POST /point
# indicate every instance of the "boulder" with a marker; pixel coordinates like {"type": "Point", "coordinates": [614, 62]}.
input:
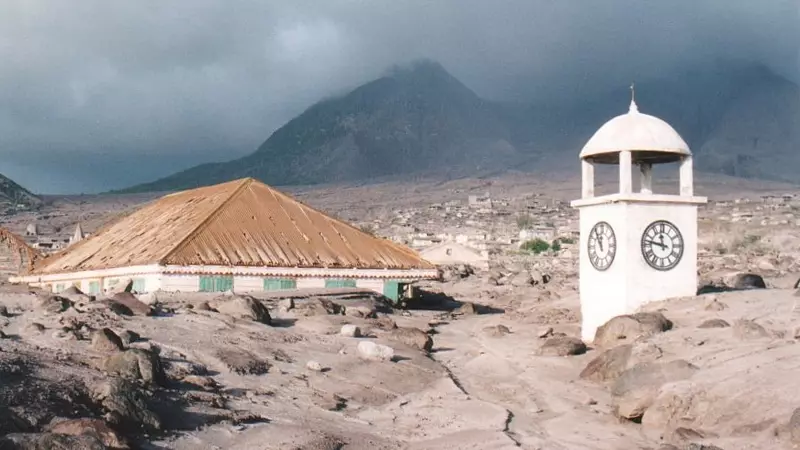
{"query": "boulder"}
{"type": "Point", "coordinates": [136, 364]}
{"type": "Point", "coordinates": [714, 323]}
{"type": "Point", "coordinates": [747, 281]}
{"type": "Point", "coordinates": [466, 309]}
{"type": "Point", "coordinates": [794, 427]}
{"type": "Point", "coordinates": [521, 279]}
{"type": "Point", "coordinates": [637, 388]}
{"type": "Point", "coordinates": [95, 428]}
{"type": "Point", "coordinates": [4, 311]}
{"type": "Point", "coordinates": [51, 304]}
{"type": "Point", "coordinates": [126, 405]}
{"type": "Point", "coordinates": [562, 346]}
{"type": "Point", "coordinates": [243, 362]}
{"type": "Point", "coordinates": [496, 330]}
{"type": "Point", "coordinates": [50, 441]}
{"type": "Point", "coordinates": [747, 329]}
{"type": "Point", "coordinates": [203, 306]}
{"type": "Point", "coordinates": [242, 307]}
{"type": "Point", "coordinates": [364, 309]}
{"type": "Point", "coordinates": [610, 364]}
{"type": "Point", "coordinates": [123, 285]}
{"type": "Point", "coordinates": [75, 295]}
{"type": "Point", "coordinates": [128, 336]}
{"type": "Point", "coordinates": [413, 337]}
{"type": "Point", "coordinates": [384, 323]}
{"type": "Point", "coordinates": [123, 302]}
{"type": "Point", "coordinates": [317, 306]}
{"type": "Point", "coordinates": [286, 305]}
{"type": "Point", "coordinates": [350, 331]}
{"type": "Point", "coordinates": [105, 340]}
{"type": "Point", "coordinates": [630, 327]}
{"type": "Point", "coordinates": [314, 365]}
{"type": "Point", "coordinates": [375, 352]}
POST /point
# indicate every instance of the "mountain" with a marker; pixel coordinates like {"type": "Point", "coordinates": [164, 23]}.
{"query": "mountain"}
{"type": "Point", "coordinates": [13, 196]}
{"type": "Point", "coordinates": [739, 118]}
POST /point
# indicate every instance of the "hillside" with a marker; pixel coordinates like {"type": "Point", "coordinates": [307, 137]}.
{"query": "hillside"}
{"type": "Point", "coordinates": [14, 196]}
{"type": "Point", "coordinates": [420, 119]}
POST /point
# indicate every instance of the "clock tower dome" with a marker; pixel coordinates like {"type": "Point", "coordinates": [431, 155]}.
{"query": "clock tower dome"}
{"type": "Point", "coordinates": [636, 246]}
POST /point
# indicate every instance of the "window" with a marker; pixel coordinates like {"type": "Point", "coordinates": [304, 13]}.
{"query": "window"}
{"type": "Point", "coordinates": [59, 288]}
{"type": "Point", "coordinates": [279, 284]}
{"type": "Point", "coordinates": [94, 287]}
{"type": "Point", "coordinates": [216, 283]}
{"type": "Point", "coordinates": [138, 285]}
{"type": "Point", "coordinates": [341, 283]}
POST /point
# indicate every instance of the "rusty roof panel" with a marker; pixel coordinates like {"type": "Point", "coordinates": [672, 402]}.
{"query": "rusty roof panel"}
{"type": "Point", "coordinates": [239, 223]}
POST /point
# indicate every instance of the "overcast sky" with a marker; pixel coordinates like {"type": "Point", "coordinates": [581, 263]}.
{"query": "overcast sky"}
{"type": "Point", "coordinates": [96, 95]}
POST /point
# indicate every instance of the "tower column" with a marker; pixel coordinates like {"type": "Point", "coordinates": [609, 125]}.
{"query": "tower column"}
{"type": "Point", "coordinates": [625, 180]}
{"type": "Point", "coordinates": [647, 178]}
{"type": "Point", "coordinates": [686, 177]}
{"type": "Point", "coordinates": [587, 177]}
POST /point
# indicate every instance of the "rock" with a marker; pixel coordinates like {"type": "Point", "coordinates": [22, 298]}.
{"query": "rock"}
{"type": "Point", "coordinates": [384, 323]}
{"type": "Point", "coordinates": [105, 340]}
{"type": "Point", "coordinates": [95, 428]}
{"type": "Point", "coordinates": [149, 299]}
{"type": "Point", "coordinates": [123, 285]}
{"type": "Point", "coordinates": [794, 427]}
{"type": "Point", "coordinates": [35, 328]}
{"type": "Point", "coordinates": [748, 281]}
{"type": "Point", "coordinates": [365, 309]}
{"type": "Point", "coordinates": [178, 370]}
{"type": "Point", "coordinates": [242, 307]}
{"type": "Point", "coordinates": [562, 346]}
{"type": "Point", "coordinates": [492, 281]}
{"type": "Point", "coordinates": [318, 307]}
{"type": "Point", "coordinates": [714, 323]}
{"type": "Point", "coordinates": [314, 365]}
{"type": "Point", "coordinates": [51, 304]}
{"type": "Point", "coordinates": [200, 381]}
{"type": "Point", "coordinates": [350, 331]}
{"type": "Point", "coordinates": [375, 352]}
{"type": "Point", "coordinates": [747, 329]}
{"type": "Point", "coordinates": [715, 305]}
{"type": "Point", "coordinates": [546, 332]}
{"type": "Point", "coordinates": [202, 306]}
{"type": "Point", "coordinates": [413, 337]}
{"type": "Point", "coordinates": [126, 304]}
{"type": "Point", "coordinates": [286, 305]}
{"type": "Point", "coordinates": [637, 388]}
{"type": "Point", "coordinates": [696, 446]}
{"type": "Point", "coordinates": [75, 295]}
{"type": "Point", "coordinates": [136, 364]}
{"type": "Point", "coordinates": [466, 309]}
{"type": "Point", "coordinates": [521, 279]}
{"type": "Point", "coordinates": [3, 335]}
{"type": "Point", "coordinates": [126, 405]}
{"type": "Point", "coordinates": [4, 311]}
{"type": "Point", "coordinates": [629, 328]}
{"type": "Point", "coordinates": [50, 441]}
{"type": "Point", "coordinates": [496, 330]}
{"type": "Point", "coordinates": [242, 361]}
{"type": "Point", "coordinates": [128, 336]}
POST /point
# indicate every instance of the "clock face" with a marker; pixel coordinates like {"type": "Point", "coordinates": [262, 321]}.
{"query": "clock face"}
{"type": "Point", "coordinates": [602, 246]}
{"type": "Point", "coordinates": [662, 245]}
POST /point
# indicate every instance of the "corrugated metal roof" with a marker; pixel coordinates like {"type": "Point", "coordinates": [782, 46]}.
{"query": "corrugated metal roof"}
{"type": "Point", "coordinates": [239, 223]}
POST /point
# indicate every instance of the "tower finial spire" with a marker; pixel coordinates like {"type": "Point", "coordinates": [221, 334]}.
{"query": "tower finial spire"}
{"type": "Point", "coordinates": [633, 107]}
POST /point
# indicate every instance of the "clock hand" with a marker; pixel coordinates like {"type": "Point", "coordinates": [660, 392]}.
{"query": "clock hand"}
{"type": "Point", "coordinates": [660, 244]}
{"type": "Point", "coordinates": [600, 242]}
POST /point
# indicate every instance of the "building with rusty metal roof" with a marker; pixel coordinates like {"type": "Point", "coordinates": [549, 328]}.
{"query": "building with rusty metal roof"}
{"type": "Point", "coordinates": [241, 235]}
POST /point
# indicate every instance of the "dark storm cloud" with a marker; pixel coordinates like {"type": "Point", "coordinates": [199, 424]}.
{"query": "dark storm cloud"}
{"type": "Point", "coordinates": [97, 95]}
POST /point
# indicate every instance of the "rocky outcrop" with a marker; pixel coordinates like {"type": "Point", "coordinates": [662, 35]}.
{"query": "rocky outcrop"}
{"type": "Point", "coordinates": [375, 352]}
{"type": "Point", "coordinates": [242, 307]}
{"type": "Point", "coordinates": [136, 364]}
{"type": "Point", "coordinates": [630, 328]}
{"type": "Point", "coordinates": [610, 364]}
{"type": "Point", "coordinates": [637, 388]}
{"type": "Point", "coordinates": [412, 337]}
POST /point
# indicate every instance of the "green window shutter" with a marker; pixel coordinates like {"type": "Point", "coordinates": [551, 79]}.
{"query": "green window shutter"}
{"type": "Point", "coordinates": [279, 284]}
{"type": "Point", "coordinates": [391, 289]}
{"type": "Point", "coordinates": [342, 283]}
{"type": "Point", "coordinates": [216, 284]}
{"type": "Point", "coordinates": [59, 288]}
{"type": "Point", "coordinates": [94, 287]}
{"type": "Point", "coordinates": [138, 285]}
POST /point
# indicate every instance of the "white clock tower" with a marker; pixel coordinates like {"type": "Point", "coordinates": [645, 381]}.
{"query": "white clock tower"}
{"type": "Point", "coordinates": [635, 247]}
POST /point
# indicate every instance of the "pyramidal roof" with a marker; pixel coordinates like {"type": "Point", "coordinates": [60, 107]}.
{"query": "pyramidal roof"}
{"type": "Point", "coordinates": [238, 223]}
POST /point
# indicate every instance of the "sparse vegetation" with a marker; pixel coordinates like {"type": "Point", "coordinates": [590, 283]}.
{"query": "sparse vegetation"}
{"type": "Point", "coordinates": [367, 229]}
{"type": "Point", "coordinates": [555, 246]}
{"type": "Point", "coordinates": [535, 246]}
{"type": "Point", "coordinates": [524, 221]}
{"type": "Point", "coordinates": [566, 240]}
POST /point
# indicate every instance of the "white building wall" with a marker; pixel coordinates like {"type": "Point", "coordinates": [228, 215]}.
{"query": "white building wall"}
{"type": "Point", "coordinates": [630, 282]}
{"type": "Point", "coordinates": [310, 283]}
{"type": "Point", "coordinates": [182, 283]}
{"type": "Point", "coordinates": [248, 284]}
{"type": "Point", "coordinates": [373, 285]}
